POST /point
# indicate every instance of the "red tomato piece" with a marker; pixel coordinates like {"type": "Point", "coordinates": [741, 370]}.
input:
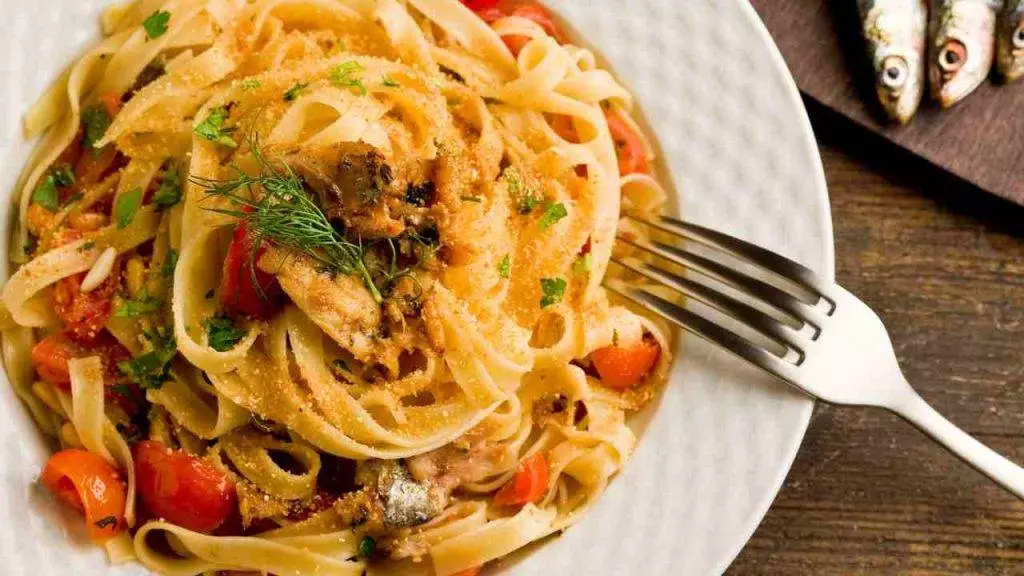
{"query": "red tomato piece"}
{"type": "Point", "coordinates": [478, 5]}
{"type": "Point", "coordinates": [52, 354]}
{"type": "Point", "coordinates": [85, 313]}
{"type": "Point", "coordinates": [622, 367]}
{"type": "Point", "coordinates": [181, 488]}
{"type": "Point", "coordinates": [629, 147]}
{"type": "Point", "coordinates": [529, 10]}
{"type": "Point", "coordinates": [86, 482]}
{"type": "Point", "coordinates": [528, 485]}
{"type": "Point", "coordinates": [238, 293]}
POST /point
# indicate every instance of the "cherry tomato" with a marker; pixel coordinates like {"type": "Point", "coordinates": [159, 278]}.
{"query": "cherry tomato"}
{"type": "Point", "coordinates": [84, 314]}
{"type": "Point", "coordinates": [52, 354]}
{"type": "Point", "coordinates": [622, 367]}
{"type": "Point", "coordinates": [494, 11]}
{"type": "Point", "coordinates": [181, 488]}
{"type": "Point", "coordinates": [86, 482]}
{"type": "Point", "coordinates": [629, 147]}
{"type": "Point", "coordinates": [238, 293]}
{"type": "Point", "coordinates": [528, 485]}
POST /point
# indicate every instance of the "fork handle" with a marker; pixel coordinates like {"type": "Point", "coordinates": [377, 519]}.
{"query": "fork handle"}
{"type": "Point", "coordinates": [915, 410]}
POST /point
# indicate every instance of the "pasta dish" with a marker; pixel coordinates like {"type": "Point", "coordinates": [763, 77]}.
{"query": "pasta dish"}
{"type": "Point", "coordinates": [315, 286]}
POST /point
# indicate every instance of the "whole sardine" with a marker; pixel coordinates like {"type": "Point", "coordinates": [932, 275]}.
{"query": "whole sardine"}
{"type": "Point", "coordinates": [1010, 40]}
{"type": "Point", "coordinates": [894, 31]}
{"type": "Point", "coordinates": [962, 46]}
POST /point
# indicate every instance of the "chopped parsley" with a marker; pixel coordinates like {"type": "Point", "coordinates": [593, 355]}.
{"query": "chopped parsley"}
{"type": "Point", "coordinates": [222, 332]}
{"type": "Point", "coordinates": [169, 192]}
{"type": "Point", "coordinates": [390, 83]}
{"type": "Point", "coordinates": [294, 92]}
{"type": "Point", "coordinates": [89, 245]}
{"type": "Point", "coordinates": [346, 76]}
{"type": "Point", "coordinates": [106, 522]}
{"type": "Point", "coordinates": [126, 206]}
{"type": "Point", "coordinates": [167, 269]}
{"type": "Point", "coordinates": [339, 365]}
{"type": "Point", "coordinates": [46, 194]}
{"type": "Point", "coordinates": [553, 290]}
{"type": "Point", "coordinates": [150, 369]}
{"type": "Point", "coordinates": [522, 195]}
{"type": "Point", "coordinates": [583, 264]}
{"type": "Point", "coordinates": [95, 120]}
{"type": "Point", "coordinates": [156, 24]}
{"type": "Point", "coordinates": [553, 214]}
{"type": "Point", "coordinates": [367, 546]}
{"type": "Point", "coordinates": [505, 266]}
{"type": "Point", "coordinates": [212, 128]}
{"type": "Point", "coordinates": [142, 306]}
{"type": "Point", "coordinates": [251, 84]}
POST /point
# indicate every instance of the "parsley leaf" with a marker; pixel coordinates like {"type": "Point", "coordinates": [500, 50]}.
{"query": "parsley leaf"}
{"type": "Point", "coordinates": [583, 264]}
{"type": "Point", "coordinates": [345, 75]}
{"type": "Point", "coordinates": [212, 128]}
{"type": "Point", "coordinates": [46, 194]}
{"type": "Point", "coordinates": [553, 289]}
{"type": "Point", "coordinates": [390, 83]}
{"type": "Point", "coordinates": [156, 24]}
{"type": "Point", "coordinates": [141, 306]}
{"type": "Point", "coordinates": [294, 92]}
{"type": "Point", "coordinates": [367, 546]}
{"type": "Point", "coordinates": [95, 120]}
{"type": "Point", "coordinates": [554, 213]}
{"type": "Point", "coordinates": [169, 192]}
{"type": "Point", "coordinates": [505, 266]}
{"type": "Point", "coordinates": [167, 269]}
{"type": "Point", "coordinates": [222, 332]}
{"type": "Point", "coordinates": [126, 206]}
{"type": "Point", "coordinates": [63, 175]}
{"type": "Point", "coordinates": [251, 84]}
{"type": "Point", "coordinates": [150, 369]}
{"type": "Point", "coordinates": [525, 197]}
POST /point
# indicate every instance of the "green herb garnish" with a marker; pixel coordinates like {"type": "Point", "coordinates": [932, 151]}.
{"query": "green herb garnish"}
{"type": "Point", "coordinates": [419, 194]}
{"type": "Point", "coordinates": [553, 290]}
{"type": "Point", "coordinates": [169, 192]}
{"type": "Point", "coordinates": [156, 24]}
{"type": "Point", "coordinates": [390, 83]}
{"type": "Point", "coordinates": [126, 206]}
{"type": "Point", "coordinates": [95, 120]}
{"type": "Point", "coordinates": [295, 91]}
{"type": "Point", "coordinates": [367, 546]}
{"type": "Point", "coordinates": [553, 214]}
{"type": "Point", "coordinates": [345, 75]}
{"type": "Point", "coordinates": [150, 370]}
{"type": "Point", "coordinates": [89, 245]}
{"type": "Point", "coordinates": [212, 128]}
{"type": "Point", "coordinates": [47, 195]}
{"type": "Point", "coordinates": [505, 266]}
{"type": "Point", "coordinates": [222, 333]}
{"type": "Point", "coordinates": [251, 84]}
{"type": "Point", "coordinates": [142, 306]}
{"type": "Point", "coordinates": [167, 269]}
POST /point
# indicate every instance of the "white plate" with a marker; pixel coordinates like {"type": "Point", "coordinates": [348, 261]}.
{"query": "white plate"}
{"type": "Point", "coordinates": [741, 152]}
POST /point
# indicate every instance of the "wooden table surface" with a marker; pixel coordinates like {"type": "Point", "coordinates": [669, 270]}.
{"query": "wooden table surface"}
{"type": "Point", "coordinates": [943, 265]}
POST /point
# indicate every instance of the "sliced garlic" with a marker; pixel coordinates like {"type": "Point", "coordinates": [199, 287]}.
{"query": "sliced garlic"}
{"type": "Point", "coordinates": [100, 270]}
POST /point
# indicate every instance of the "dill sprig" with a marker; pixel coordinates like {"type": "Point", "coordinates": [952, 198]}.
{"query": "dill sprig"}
{"type": "Point", "coordinates": [288, 217]}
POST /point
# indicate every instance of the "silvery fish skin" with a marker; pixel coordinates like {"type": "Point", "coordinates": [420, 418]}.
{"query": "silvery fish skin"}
{"type": "Point", "coordinates": [895, 34]}
{"type": "Point", "coordinates": [1010, 40]}
{"type": "Point", "coordinates": [962, 46]}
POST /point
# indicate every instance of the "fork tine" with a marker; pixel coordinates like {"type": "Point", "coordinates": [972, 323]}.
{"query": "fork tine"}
{"type": "Point", "coordinates": [704, 328]}
{"type": "Point", "coordinates": [781, 300]}
{"type": "Point", "coordinates": [764, 258]}
{"type": "Point", "coordinates": [769, 327]}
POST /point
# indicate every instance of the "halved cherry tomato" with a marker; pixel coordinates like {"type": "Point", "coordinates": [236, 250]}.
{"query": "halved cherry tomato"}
{"type": "Point", "coordinates": [181, 488]}
{"type": "Point", "coordinates": [85, 313]}
{"type": "Point", "coordinates": [86, 482]}
{"type": "Point", "coordinates": [563, 126]}
{"type": "Point", "coordinates": [478, 5]}
{"type": "Point", "coordinates": [491, 12]}
{"type": "Point", "coordinates": [238, 293]}
{"type": "Point", "coordinates": [624, 367]}
{"type": "Point", "coordinates": [528, 485]}
{"type": "Point", "coordinates": [629, 147]}
{"type": "Point", "coordinates": [52, 354]}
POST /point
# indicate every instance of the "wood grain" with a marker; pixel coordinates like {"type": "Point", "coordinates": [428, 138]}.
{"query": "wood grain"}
{"type": "Point", "coordinates": [943, 265]}
{"type": "Point", "coordinates": [980, 140]}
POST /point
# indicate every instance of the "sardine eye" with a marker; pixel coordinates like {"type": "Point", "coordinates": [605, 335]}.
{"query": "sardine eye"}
{"type": "Point", "coordinates": [952, 56]}
{"type": "Point", "coordinates": [1018, 37]}
{"type": "Point", "coordinates": [895, 72]}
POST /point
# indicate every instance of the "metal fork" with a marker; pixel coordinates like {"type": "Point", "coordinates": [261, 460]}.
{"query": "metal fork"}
{"type": "Point", "coordinates": [808, 331]}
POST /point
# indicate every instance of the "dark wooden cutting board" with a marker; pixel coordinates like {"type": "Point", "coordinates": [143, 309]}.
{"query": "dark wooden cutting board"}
{"type": "Point", "coordinates": [981, 139]}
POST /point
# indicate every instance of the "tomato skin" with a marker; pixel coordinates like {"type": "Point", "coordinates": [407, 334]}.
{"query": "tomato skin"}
{"type": "Point", "coordinates": [181, 488]}
{"type": "Point", "coordinates": [478, 5]}
{"type": "Point", "coordinates": [624, 367]}
{"type": "Point", "coordinates": [238, 293]}
{"type": "Point", "coordinates": [52, 354]}
{"type": "Point", "coordinates": [528, 485]}
{"type": "Point", "coordinates": [84, 314]}
{"type": "Point", "coordinates": [494, 11]}
{"type": "Point", "coordinates": [629, 147]}
{"type": "Point", "coordinates": [86, 482]}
